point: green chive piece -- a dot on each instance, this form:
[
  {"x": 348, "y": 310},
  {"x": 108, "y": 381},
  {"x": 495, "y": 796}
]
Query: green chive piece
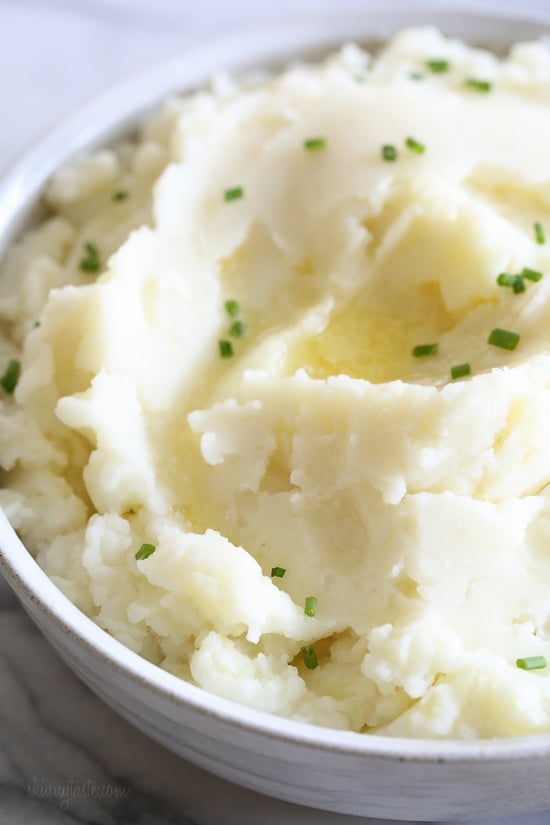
[
  {"x": 278, "y": 572},
  {"x": 415, "y": 146},
  {"x": 389, "y": 152},
  {"x": 478, "y": 85},
  {"x": 517, "y": 281},
  {"x": 503, "y": 338},
  {"x": 119, "y": 196},
  {"x": 90, "y": 262},
  {"x": 89, "y": 265},
  {"x": 416, "y": 76},
  {"x": 518, "y": 285},
  {"x": 226, "y": 348},
  {"x": 11, "y": 376},
  {"x": 439, "y": 66},
  {"x": 233, "y": 194},
  {"x": 310, "y": 657},
  {"x": 422, "y": 350},
  {"x": 531, "y": 274},
  {"x": 506, "y": 279},
  {"x": 315, "y": 144},
  {"x": 460, "y": 370},
  {"x": 532, "y": 663},
  {"x": 145, "y": 551},
  {"x": 310, "y": 607},
  {"x": 540, "y": 234},
  {"x": 237, "y": 329},
  {"x": 232, "y": 308}
]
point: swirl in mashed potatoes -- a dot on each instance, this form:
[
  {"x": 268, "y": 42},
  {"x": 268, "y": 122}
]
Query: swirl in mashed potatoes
[{"x": 282, "y": 423}]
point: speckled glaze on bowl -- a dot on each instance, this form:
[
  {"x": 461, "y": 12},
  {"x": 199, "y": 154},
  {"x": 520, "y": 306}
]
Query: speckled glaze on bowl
[{"x": 340, "y": 771}]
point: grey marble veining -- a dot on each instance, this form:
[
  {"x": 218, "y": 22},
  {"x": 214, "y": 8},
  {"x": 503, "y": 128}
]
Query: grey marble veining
[{"x": 64, "y": 756}]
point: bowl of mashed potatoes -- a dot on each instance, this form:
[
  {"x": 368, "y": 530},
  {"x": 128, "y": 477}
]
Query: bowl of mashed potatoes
[{"x": 275, "y": 392}]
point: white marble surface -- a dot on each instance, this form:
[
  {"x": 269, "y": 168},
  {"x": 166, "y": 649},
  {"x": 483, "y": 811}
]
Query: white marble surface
[{"x": 64, "y": 756}]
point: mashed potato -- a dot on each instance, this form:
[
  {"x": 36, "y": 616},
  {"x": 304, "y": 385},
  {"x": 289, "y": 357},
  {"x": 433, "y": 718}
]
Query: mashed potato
[{"x": 282, "y": 422}]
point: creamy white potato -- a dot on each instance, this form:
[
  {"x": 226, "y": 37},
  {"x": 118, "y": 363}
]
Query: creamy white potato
[{"x": 282, "y": 419}]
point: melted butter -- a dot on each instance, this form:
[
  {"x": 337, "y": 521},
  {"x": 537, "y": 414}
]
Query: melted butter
[{"x": 373, "y": 340}]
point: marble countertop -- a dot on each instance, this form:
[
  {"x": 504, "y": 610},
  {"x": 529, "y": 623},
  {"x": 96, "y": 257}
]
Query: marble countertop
[{"x": 64, "y": 756}]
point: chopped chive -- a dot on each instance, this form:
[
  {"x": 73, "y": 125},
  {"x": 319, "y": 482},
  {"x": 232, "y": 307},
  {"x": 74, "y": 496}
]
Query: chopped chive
[
  {"x": 232, "y": 308},
  {"x": 89, "y": 265},
  {"x": 506, "y": 279},
  {"x": 540, "y": 234},
  {"x": 478, "y": 85},
  {"x": 315, "y": 144},
  {"x": 531, "y": 274},
  {"x": 310, "y": 657},
  {"x": 518, "y": 285},
  {"x": 278, "y": 572},
  {"x": 460, "y": 370},
  {"x": 532, "y": 663},
  {"x": 145, "y": 551},
  {"x": 425, "y": 349},
  {"x": 90, "y": 262},
  {"x": 359, "y": 78},
  {"x": 310, "y": 606},
  {"x": 233, "y": 194},
  {"x": 226, "y": 348},
  {"x": 503, "y": 338},
  {"x": 416, "y": 76},
  {"x": 119, "y": 196},
  {"x": 389, "y": 152},
  {"x": 438, "y": 66},
  {"x": 415, "y": 146},
  {"x": 237, "y": 329},
  {"x": 11, "y": 376},
  {"x": 517, "y": 281}
]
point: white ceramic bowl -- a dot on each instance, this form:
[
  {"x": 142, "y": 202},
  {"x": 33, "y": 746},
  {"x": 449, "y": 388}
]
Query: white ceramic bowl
[{"x": 340, "y": 771}]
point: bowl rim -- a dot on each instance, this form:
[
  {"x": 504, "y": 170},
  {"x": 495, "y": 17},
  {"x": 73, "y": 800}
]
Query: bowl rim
[{"x": 127, "y": 103}]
